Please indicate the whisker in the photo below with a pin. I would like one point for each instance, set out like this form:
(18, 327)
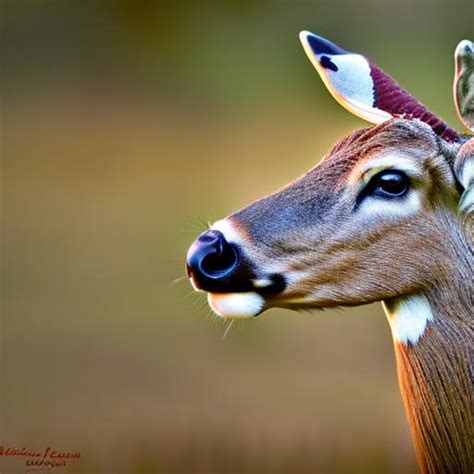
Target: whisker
(202, 308)
(227, 329)
(204, 222)
(178, 280)
(195, 227)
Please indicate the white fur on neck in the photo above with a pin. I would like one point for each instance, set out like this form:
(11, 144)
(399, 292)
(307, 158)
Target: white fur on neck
(408, 317)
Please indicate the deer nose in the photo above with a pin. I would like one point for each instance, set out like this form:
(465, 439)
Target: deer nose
(212, 262)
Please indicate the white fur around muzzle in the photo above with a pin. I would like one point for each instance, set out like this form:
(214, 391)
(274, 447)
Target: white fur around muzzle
(236, 305)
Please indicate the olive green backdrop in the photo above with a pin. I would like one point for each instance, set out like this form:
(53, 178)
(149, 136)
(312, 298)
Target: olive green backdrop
(125, 127)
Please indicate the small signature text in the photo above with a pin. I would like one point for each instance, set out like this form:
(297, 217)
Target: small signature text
(46, 459)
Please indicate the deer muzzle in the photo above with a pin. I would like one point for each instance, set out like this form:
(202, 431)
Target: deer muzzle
(236, 287)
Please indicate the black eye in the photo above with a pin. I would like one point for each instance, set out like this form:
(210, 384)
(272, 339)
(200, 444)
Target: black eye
(388, 184)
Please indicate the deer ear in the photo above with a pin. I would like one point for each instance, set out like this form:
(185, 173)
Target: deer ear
(464, 170)
(464, 83)
(364, 89)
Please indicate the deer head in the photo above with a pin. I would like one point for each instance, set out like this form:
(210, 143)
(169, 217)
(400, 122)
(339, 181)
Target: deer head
(385, 216)
(369, 223)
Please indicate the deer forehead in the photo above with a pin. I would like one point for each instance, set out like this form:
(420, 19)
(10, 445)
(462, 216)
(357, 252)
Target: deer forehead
(406, 145)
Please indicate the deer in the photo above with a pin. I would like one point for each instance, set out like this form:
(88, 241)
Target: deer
(385, 216)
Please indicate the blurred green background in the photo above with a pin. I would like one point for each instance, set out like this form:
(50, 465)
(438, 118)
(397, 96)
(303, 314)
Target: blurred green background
(125, 125)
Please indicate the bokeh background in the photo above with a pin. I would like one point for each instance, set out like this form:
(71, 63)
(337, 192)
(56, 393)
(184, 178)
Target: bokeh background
(126, 126)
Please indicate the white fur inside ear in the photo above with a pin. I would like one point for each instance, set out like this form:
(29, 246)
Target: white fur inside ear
(236, 305)
(408, 317)
(351, 84)
(352, 79)
(466, 178)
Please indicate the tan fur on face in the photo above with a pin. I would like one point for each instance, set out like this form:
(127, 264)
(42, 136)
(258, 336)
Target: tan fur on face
(335, 254)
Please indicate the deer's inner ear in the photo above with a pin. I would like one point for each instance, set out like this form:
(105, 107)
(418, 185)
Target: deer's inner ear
(464, 169)
(346, 75)
(464, 83)
(364, 89)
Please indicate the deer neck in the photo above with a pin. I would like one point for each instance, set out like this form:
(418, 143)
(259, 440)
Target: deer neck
(433, 336)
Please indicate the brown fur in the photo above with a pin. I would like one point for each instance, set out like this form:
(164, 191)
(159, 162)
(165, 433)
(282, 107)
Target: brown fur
(436, 387)
(436, 375)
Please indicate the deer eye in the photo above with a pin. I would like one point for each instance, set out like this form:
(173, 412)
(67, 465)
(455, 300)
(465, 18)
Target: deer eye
(388, 184)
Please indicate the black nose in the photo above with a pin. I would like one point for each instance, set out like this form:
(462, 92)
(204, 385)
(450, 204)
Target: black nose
(212, 256)
(213, 262)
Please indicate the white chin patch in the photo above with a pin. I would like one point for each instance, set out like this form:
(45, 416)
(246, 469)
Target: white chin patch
(236, 305)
